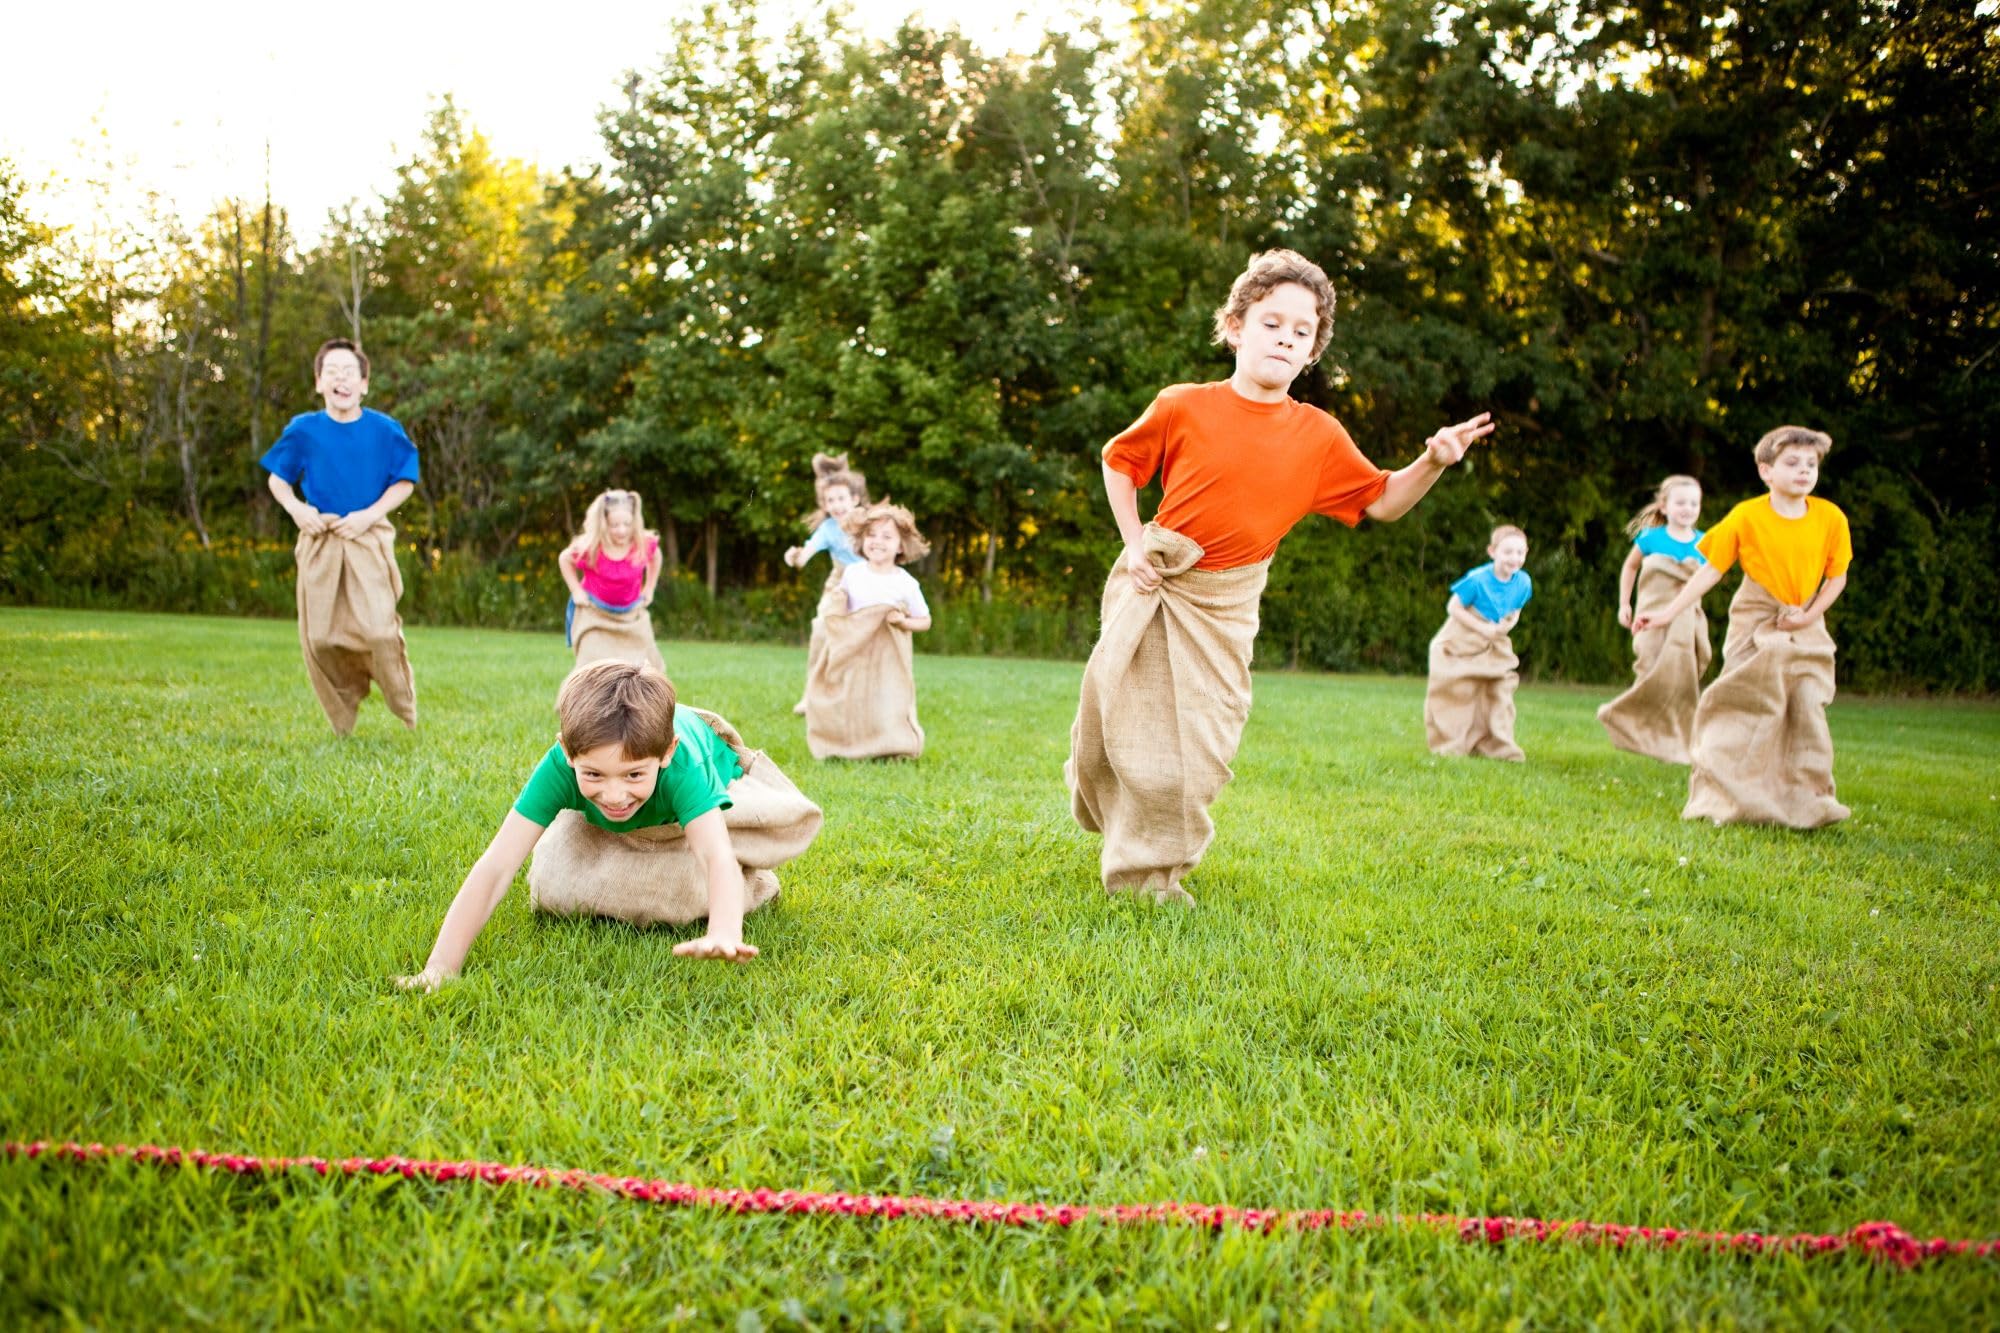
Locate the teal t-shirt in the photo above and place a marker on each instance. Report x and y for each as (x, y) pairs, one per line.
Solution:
(1493, 598)
(692, 783)
(1656, 540)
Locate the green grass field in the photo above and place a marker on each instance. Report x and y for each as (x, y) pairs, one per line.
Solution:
(1411, 984)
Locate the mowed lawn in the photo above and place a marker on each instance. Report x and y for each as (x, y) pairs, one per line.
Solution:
(1410, 985)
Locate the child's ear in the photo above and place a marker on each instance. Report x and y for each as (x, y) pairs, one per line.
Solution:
(1232, 330)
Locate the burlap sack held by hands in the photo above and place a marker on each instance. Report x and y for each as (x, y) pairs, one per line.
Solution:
(650, 876)
(1656, 716)
(1469, 705)
(1762, 752)
(598, 635)
(1164, 699)
(348, 626)
(861, 684)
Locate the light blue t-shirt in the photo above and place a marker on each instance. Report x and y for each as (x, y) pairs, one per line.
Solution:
(1657, 540)
(1481, 592)
(342, 466)
(830, 537)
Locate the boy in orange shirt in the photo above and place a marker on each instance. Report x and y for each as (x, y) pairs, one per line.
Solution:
(1762, 752)
(1167, 689)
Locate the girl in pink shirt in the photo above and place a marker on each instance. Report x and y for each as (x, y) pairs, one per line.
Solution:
(613, 565)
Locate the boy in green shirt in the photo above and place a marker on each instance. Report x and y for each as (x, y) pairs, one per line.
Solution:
(627, 759)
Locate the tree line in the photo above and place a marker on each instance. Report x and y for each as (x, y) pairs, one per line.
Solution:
(1640, 234)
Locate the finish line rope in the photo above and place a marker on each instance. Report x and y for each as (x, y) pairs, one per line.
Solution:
(1884, 1242)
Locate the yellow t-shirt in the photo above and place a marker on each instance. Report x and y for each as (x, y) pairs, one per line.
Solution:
(1788, 556)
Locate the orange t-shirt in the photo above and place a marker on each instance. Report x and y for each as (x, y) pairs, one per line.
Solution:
(1788, 556)
(1238, 474)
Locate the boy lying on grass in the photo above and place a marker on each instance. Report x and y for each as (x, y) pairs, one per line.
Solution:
(628, 761)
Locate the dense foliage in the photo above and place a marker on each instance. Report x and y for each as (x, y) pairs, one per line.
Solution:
(1641, 234)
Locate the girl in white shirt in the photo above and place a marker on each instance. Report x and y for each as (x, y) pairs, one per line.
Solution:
(886, 535)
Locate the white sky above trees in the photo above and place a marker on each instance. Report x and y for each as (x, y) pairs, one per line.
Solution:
(179, 100)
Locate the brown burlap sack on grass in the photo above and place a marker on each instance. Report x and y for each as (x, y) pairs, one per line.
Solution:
(650, 876)
(1165, 695)
(861, 690)
(1656, 716)
(597, 635)
(1762, 752)
(1469, 705)
(348, 626)
(832, 602)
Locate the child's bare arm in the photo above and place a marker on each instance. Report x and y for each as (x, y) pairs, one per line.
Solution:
(708, 839)
(915, 624)
(310, 520)
(653, 567)
(1696, 587)
(1123, 495)
(485, 885)
(1628, 574)
(1829, 592)
(566, 562)
(1409, 485)
(358, 522)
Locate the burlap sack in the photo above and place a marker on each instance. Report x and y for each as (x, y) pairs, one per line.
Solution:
(650, 876)
(1165, 695)
(597, 635)
(1656, 716)
(1469, 705)
(1762, 752)
(348, 626)
(861, 690)
(832, 602)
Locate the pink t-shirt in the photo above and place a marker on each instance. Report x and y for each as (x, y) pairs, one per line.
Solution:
(616, 582)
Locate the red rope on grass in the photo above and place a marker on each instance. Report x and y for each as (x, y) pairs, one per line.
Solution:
(1883, 1242)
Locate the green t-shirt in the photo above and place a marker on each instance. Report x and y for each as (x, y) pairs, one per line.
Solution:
(692, 783)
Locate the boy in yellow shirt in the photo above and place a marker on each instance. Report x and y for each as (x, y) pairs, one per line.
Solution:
(1762, 752)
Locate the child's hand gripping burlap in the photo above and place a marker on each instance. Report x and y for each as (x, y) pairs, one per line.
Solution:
(651, 876)
(1164, 699)
(1656, 715)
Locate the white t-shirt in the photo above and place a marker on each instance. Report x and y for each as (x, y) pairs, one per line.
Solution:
(864, 587)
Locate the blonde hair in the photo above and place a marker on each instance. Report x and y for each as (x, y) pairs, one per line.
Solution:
(589, 545)
(1268, 272)
(1654, 515)
(1792, 437)
(616, 701)
(862, 518)
(830, 470)
(1504, 531)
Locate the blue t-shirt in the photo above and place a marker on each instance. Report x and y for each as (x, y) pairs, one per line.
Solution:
(1657, 540)
(1480, 591)
(342, 466)
(830, 537)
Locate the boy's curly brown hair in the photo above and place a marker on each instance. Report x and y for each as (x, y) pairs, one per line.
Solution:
(1268, 271)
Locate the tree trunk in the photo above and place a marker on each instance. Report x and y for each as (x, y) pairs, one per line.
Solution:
(712, 539)
(672, 534)
(986, 576)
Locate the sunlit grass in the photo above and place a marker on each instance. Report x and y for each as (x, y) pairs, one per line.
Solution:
(1411, 984)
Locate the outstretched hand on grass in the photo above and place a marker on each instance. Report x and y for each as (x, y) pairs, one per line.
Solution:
(1449, 444)
(709, 946)
(426, 981)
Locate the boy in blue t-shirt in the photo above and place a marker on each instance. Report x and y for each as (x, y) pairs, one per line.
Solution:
(627, 757)
(1469, 704)
(339, 472)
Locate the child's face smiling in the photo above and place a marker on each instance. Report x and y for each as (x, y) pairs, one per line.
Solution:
(1273, 341)
(1793, 473)
(881, 543)
(1683, 506)
(1509, 554)
(838, 501)
(613, 781)
(618, 526)
(341, 384)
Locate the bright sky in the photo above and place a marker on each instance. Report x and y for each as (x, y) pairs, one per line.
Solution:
(183, 97)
